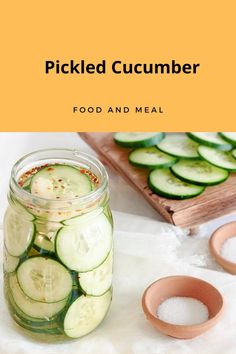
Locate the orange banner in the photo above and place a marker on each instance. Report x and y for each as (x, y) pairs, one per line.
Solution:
(152, 66)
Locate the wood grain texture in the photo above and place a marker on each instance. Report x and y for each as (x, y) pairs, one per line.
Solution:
(214, 202)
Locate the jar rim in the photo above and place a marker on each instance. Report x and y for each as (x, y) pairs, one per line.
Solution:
(14, 185)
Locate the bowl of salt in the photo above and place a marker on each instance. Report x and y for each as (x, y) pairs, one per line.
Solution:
(182, 306)
(222, 246)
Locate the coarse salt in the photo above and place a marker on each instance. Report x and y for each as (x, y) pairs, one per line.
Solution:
(228, 250)
(182, 311)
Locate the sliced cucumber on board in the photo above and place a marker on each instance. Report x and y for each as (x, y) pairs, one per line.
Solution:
(222, 159)
(19, 232)
(150, 157)
(230, 137)
(10, 263)
(199, 172)
(83, 246)
(85, 314)
(35, 309)
(164, 183)
(60, 182)
(179, 145)
(98, 281)
(44, 279)
(211, 139)
(234, 153)
(132, 140)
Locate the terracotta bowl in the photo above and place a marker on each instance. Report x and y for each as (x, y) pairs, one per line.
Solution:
(216, 242)
(184, 286)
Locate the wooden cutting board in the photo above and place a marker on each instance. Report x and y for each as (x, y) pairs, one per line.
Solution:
(214, 202)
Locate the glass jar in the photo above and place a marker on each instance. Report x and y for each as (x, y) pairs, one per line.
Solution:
(58, 244)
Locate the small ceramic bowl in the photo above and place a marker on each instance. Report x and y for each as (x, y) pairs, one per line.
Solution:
(216, 241)
(183, 286)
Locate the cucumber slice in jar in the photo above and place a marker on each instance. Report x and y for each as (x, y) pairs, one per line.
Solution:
(229, 136)
(85, 245)
(44, 279)
(45, 236)
(221, 159)
(60, 182)
(164, 183)
(179, 145)
(150, 157)
(19, 232)
(199, 172)
(22, 210)
(39, 330)
(43, 245)
(34, 323)
(85, 314)
(35, 309)
(10, 263)
(210, 139)
(234, 153)
(22, 317)
(98, 281)
(133, 139)
(86, 217)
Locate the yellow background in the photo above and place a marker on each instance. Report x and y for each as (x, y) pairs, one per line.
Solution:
(131, 31)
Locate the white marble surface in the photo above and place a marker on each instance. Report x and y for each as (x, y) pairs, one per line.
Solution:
(145, 250)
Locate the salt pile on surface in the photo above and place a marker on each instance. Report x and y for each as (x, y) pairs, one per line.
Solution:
(182, 311)
(228, 250)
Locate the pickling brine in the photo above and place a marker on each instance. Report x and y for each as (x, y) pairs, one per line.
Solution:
(58, 244)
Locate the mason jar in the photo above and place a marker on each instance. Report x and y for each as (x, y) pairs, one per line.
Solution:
(58, 244)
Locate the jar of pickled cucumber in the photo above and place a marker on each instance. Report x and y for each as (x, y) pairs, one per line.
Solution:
(58, 244)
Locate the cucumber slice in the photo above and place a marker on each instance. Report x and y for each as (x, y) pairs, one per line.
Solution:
(234, 153)
(35, 329)
(43, 245)
(32, 322)
(44, 279)
(84, 245)
(60, 182)
(98, 281)
(54, 215)
(19, 315)
(230, 137)
(199, 172)
(22, 210)
(164, 183)
(179, 145)
(10, 263)
(76, 292)
(85, 314)
(132, 139)
(45, 236)
(35, 309)
(84, 217)
(40, 327)
(150, 157)
(210, 139)
(222, 159)
(24, 320)
(19, 232)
